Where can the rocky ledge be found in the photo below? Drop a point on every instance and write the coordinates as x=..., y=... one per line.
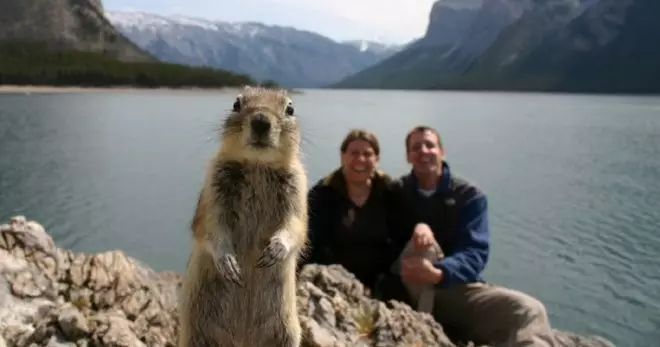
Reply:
x=55, y=297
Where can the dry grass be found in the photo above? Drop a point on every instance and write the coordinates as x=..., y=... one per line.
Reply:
x=366, y=317
x=81, y=303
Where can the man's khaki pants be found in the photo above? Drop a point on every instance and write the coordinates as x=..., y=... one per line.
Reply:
x=489, y=314
x=485, y=313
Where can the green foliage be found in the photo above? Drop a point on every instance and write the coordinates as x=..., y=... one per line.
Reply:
x=24, y=63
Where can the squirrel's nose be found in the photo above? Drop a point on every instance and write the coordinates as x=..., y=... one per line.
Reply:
x=260, y=124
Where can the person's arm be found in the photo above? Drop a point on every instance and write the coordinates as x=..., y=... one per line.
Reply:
x=399, y=221
x=472, y=250
x=319, y=226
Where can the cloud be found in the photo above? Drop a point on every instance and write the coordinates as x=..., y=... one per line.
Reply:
x=394, y=18
x=413, y=14
x=384, y=20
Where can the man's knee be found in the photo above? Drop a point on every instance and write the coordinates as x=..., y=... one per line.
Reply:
x=508, y=316
x=529, y=309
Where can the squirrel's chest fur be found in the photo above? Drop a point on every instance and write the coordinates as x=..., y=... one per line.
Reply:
x=254, y=201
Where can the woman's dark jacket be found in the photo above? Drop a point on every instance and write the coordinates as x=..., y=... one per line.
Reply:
x=358, y=238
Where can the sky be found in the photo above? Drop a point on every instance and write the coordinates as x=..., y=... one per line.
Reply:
x=388, y=21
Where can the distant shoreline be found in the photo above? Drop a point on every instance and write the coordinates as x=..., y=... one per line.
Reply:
x=16, y=89
x=44, y=89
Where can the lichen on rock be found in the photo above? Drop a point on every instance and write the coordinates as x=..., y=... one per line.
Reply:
x=55, y=297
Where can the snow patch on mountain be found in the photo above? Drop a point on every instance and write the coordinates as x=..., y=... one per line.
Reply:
x=290, y=56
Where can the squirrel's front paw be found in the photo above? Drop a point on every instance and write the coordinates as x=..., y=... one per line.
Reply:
x=228, y=267
x=275, y=252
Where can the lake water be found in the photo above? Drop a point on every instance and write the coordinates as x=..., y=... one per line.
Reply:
x=573, y=181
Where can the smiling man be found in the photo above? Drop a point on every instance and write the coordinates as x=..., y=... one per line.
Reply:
x=453, y=212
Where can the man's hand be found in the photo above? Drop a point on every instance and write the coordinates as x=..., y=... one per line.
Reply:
x=420, y=270
x=423, y=237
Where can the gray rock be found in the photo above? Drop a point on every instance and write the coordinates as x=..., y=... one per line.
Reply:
x=72, y=322
x=110, y=299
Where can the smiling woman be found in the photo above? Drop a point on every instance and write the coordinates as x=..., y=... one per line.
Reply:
x=360, y=153
x=349, y=221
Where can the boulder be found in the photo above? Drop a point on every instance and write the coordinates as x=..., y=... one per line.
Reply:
x=55, y=297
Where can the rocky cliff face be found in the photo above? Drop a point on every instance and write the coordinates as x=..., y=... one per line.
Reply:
x=450, y=21
x=551, y=45
x=66, y=24
x=610, y=46
x=538, y=19
x=458, y=32
x=603, y=46
x=55, y=297
x=293, y=58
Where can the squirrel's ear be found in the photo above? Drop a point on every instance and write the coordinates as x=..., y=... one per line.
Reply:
x=237, y=104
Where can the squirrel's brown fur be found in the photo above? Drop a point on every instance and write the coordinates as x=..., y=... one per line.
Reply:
x=249, y=227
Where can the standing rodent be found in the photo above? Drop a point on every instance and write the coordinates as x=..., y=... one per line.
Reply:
x=422, y=295
x=250, y=227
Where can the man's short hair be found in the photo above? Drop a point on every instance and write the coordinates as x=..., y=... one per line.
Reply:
x=421, y=129
x=361, y=134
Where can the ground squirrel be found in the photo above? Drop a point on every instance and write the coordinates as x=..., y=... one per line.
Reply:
x=250, y=227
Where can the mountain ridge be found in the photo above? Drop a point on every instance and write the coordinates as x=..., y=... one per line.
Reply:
x=608, y=48
x=590, y=46
x=457, y=33
x=285, y=54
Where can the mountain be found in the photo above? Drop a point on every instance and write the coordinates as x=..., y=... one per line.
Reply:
x=611, y=47
x=551, y=45
x=71, y=42
x=458, y=32
x=539, y=19
x=293, y=58
x=66, y=24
